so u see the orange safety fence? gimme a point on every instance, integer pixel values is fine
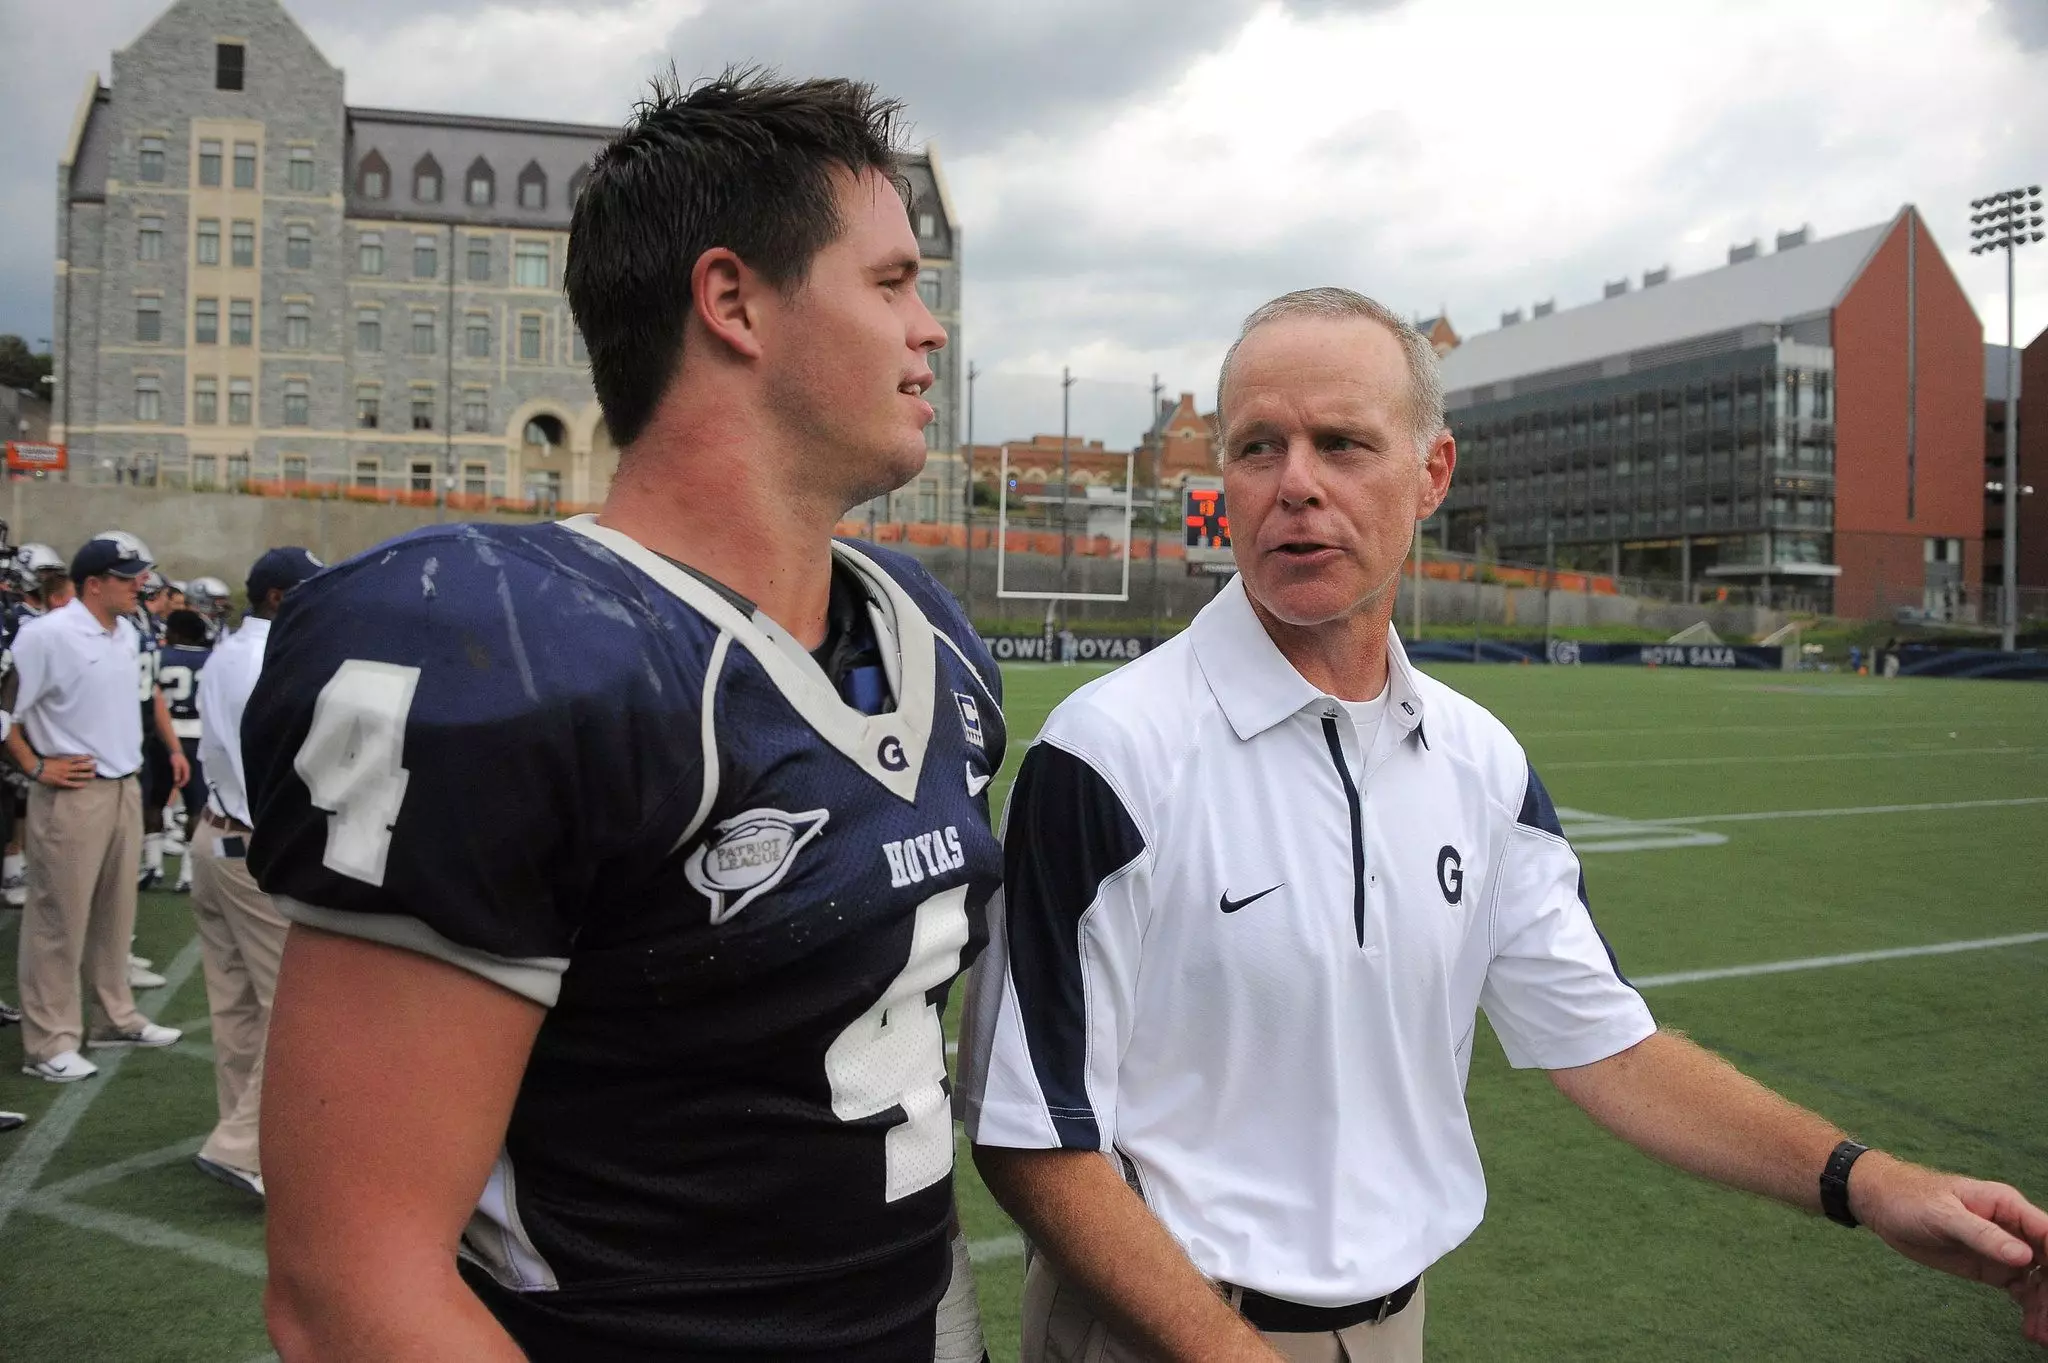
(952, 536)
(472, 502)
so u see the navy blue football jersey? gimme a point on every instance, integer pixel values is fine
(177, 671)
(554, 758)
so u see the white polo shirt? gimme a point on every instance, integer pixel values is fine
(224, 686)
(1245, 957)
(77, 690)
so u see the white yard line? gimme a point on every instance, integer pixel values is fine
(1733, 758)
(995, 1247)
(120, 1169)
(1739, 972)
(137, 1230)
(1765, 815)
(47, 1135)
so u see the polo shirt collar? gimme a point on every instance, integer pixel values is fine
(1257, 687)
(76, 616)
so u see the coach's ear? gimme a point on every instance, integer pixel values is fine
(724, 294)
(1435, 483)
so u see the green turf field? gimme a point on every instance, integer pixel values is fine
(112, 1247)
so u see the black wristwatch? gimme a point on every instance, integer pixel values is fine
(1834, 1183)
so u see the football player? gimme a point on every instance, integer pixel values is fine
(210, 598)
(179, 664)
(42, 583)
(631, 858)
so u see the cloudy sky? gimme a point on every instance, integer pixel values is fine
(1134, 175)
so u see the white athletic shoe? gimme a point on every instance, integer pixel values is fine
(14, 890)
(149, 1034)
(184, 885)
(62, 1069)
(141, 977)
(142, 961)
(240, 1179)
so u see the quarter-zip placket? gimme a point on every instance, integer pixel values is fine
(1336, 742)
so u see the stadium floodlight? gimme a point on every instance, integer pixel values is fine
(2006, 221)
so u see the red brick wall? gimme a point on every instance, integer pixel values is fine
(1879, 546)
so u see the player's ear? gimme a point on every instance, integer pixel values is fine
(724, 293)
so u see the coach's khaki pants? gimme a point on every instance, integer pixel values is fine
(241, 937)
(82, 847)
(1060, 1326)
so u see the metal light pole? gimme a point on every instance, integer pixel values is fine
(2005, 222)
(967, 500)
(1066, 473)
(1158, 440)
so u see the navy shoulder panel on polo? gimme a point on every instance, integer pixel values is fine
(1067, 834)
(1538, 812)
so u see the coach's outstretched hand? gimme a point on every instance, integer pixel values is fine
(1986, 1232)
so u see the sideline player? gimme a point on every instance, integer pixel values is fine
(630, 859)
(179, 663)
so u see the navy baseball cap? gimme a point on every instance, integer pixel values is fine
(100, 558)
(283, 568)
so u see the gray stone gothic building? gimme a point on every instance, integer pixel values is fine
(258, 283)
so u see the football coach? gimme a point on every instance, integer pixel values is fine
(1217, 1049)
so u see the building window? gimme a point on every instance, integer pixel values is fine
(369, 329)
(149, 160)
(149, 399)
(533, 187)
(245, 165)
(368, 401)
(426, 180)
(530, 265)
(423, 333)
(298, 246)
(423, 409)
(928, 290)
(205, 402)
(482, 184)
(529, 337)
(476, 479)
(426, 260)
(205, 472)
(300, 170)
(578, 352)
(241, 321)
(149, 320)
(242, 245)
(227, 66)
(209, 163)
(298, 326)
(421, 476)
(476, 332)
(370, 253)
(206, 322)
(373, 176)
(476, 410)
(209, 241)
(296, 402)
(927, 225)
(238, 470)
(240, 395)
(149, 239)
(366, 473)
(480, 260)
(295, 468)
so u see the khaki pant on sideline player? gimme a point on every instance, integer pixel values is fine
(241, 937)
(1060, 1326)
(81, 847)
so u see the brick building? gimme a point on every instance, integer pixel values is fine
(257, 281)
(1805, 423)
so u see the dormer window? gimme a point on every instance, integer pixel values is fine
(482, 184)
(373, 177)
(426, 181)
(533, 187)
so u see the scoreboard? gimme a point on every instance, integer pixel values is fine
(1205, 521)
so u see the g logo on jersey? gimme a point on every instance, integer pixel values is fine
(890, 754)
(748, 855)
(1450, 874)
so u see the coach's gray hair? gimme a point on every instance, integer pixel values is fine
(1425, 384)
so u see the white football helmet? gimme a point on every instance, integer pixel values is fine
(209, 596)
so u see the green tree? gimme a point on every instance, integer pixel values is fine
(21, 367)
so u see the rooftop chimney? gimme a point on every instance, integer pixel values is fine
(1615, 288)
(1652, 278)
(1746, 251)
(1544, 308)
(1508, 319)
(1788, 240)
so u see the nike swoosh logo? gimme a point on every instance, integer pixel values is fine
(975, 784)
(1229, 905)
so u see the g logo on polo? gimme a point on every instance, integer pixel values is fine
(1450, 874)
(890, 754)
(747, 855)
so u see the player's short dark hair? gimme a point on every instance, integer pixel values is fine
(185, 627)
(744, 161)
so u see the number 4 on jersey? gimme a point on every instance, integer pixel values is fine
(353, 762)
